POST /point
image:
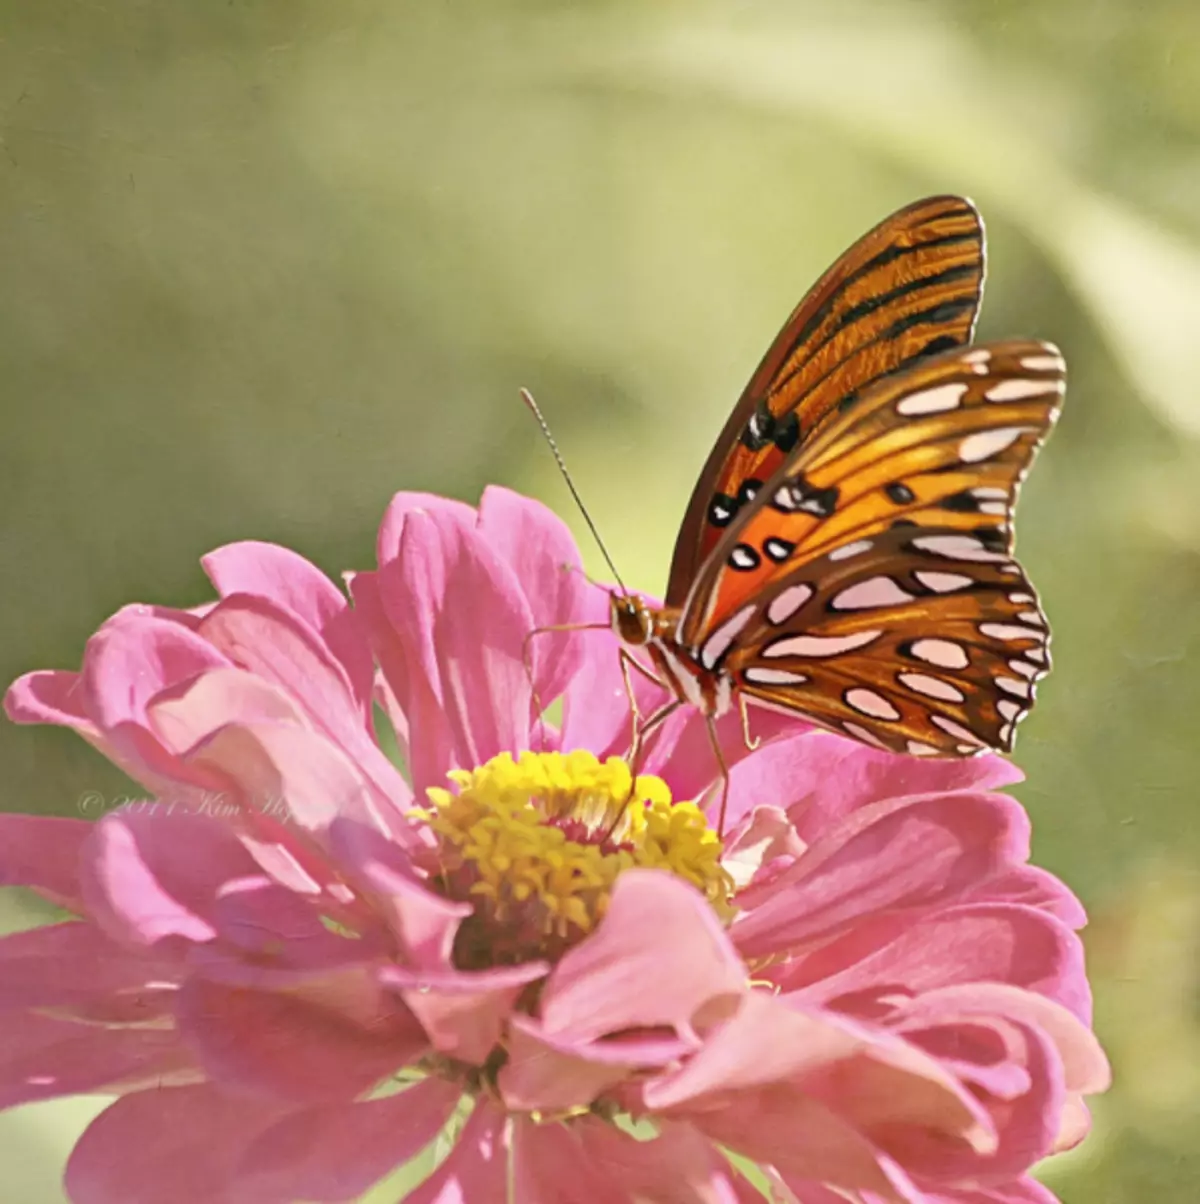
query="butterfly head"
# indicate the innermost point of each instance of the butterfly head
(631, 619)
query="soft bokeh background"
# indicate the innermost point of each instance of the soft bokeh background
(265, 262)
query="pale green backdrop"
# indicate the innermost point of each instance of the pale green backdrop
(264, 263)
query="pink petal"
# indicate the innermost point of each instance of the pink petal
(258, 636)
(868, 1077)
(148, 877)
(1016, 1191)
(679, 1166)
(549, 1074)
(423, 923)
(73, 966)
(551, 1166)
(462, 621)
(833, 776)
(685, 758)
(804, 1140)
(146, 1146)
(298, 775)
(541, 552)
(1026, 1124)
(50, 696)
(463, 1013)
(43, 1058)
(631, 973)
(1032, 886)
(135, 656)
(290, 1049)
(1085, 1068)
(388, 650)
(291, 582)
(911, 853)
(596, 710)
(42, 852)
(476, 1169)
(336, 1152)
(404, 504)
(184, 715)
(887, 954)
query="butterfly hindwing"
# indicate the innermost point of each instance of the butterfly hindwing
(907, 289)
(870, 583)
(919, 651)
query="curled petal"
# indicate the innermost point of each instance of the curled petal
(633, 973)
(463, 1013)
(910, 854)
(299, 587)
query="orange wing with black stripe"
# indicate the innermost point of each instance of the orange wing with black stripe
(908, 289)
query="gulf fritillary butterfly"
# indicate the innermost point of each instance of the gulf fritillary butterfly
(847, 551)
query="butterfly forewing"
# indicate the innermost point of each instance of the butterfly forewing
(908, 289)
(870, 582)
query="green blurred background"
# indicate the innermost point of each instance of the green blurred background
(264, 263)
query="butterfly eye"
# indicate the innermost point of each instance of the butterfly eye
(631, 619)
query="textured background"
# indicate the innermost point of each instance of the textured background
(264, 263)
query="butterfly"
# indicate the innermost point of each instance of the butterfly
(847, 553)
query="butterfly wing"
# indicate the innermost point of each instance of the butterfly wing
(909, 288)
(870, 584)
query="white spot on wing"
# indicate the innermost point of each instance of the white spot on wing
(787, 602)
(1008, 631)
(943, 583)
(760, 675)
(1008, 709)
(720, 641)
(1024, 668)
(984, 444)
(867, 702)
(917, 749)
(1015, 390)
(978, 360)
(931, 687)
(1020, 599)
(1010, 685)
(870, 594)
(956, 547)
(993, 507)
(820, 645)
(864, 734)
(932, 401)
(1050, 362)
(946, 654)
(850, 549)
(956, 730)
(1031, 616)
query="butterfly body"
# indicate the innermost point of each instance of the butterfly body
(847, 553)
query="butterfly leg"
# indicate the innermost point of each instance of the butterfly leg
(629, 661)
(710, 725)
(539, 708)
(751, 742)
(638, 747)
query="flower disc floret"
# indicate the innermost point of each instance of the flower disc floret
(535, 844)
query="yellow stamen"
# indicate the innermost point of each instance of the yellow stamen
(536, 843)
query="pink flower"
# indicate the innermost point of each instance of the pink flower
(297, 968)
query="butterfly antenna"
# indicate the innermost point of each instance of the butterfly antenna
(527, 398)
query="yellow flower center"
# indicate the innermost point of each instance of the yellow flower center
(535, 845)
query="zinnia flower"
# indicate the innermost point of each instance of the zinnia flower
(297, 967)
